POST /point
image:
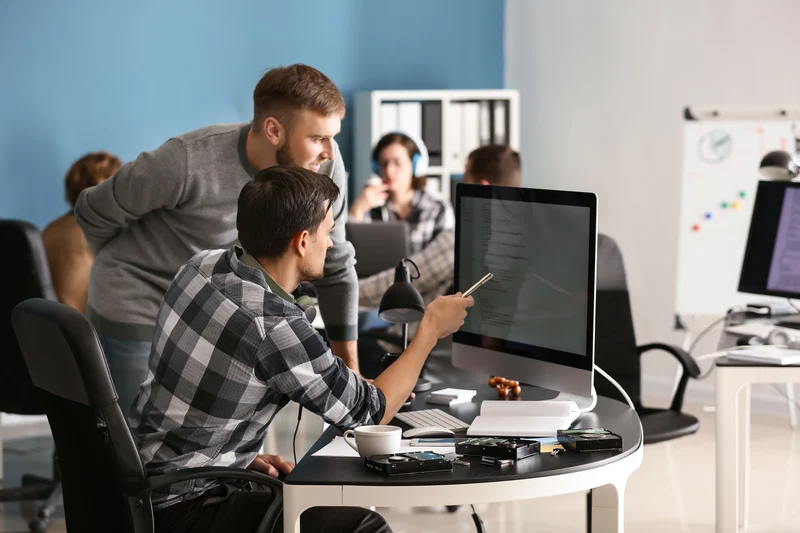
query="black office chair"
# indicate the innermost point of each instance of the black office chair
(25, 274)
(105, 484)
(617, 353)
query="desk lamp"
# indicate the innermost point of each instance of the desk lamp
(401, 304)
(779, 166)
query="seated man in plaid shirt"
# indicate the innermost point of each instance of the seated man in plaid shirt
(232, 348)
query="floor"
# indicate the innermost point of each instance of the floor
(673, 490)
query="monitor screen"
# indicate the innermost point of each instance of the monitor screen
(540, 246)
(771, 263)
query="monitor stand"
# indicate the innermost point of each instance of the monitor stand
(542, 414)
(584, 403)
(540, 394)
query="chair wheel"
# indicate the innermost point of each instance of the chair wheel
(452, 508)
(38, 525)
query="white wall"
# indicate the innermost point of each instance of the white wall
(603, 85)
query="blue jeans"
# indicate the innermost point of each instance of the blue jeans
(127, 362)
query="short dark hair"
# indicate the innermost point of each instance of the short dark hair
(283, 91)
(278, 204)
(88, 171)
(496, 163)
(406, 142)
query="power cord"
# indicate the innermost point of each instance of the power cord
(477, 519)
(708, 329)
(296, 428)
(617, 385)
(407, 260)
(722, 353)
(784, 395)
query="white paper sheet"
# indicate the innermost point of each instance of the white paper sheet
(339, 448)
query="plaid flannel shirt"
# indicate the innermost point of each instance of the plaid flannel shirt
(429, 216)
(228, 354)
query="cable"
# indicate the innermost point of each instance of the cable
(617, 385)
(705, 332)
(477, 519)
(792, 304)
(296, 428)
(728, 314)
(785, 396)
(407, 260)
(722, 353)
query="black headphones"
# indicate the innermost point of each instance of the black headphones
(305, 302)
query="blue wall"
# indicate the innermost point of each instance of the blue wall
(84, 76)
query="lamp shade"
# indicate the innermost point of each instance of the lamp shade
(402, 302)
(779, 166)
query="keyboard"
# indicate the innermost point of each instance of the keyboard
(431, 417)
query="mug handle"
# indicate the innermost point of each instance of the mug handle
(350, 438)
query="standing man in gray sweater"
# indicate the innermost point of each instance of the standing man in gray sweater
(161, 209)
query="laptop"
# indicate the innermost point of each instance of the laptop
(378, 245)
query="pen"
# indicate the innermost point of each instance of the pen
(480, 282)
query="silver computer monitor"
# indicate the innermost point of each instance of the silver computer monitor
(534, 320)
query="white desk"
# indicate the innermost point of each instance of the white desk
(758, 328)
(733, 381)
(18, 427)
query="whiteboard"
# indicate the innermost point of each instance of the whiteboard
(720, 175)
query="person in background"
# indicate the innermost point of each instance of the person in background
(171, 203)
(401, 195)
(68, 254)
(233, 347)
(487, 165)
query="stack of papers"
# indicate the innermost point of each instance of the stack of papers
(451, 396)
(771, 355)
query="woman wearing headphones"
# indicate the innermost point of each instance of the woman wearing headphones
(402, 161)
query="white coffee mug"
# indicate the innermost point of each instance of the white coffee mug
(374, 440)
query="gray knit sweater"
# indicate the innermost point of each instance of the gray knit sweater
(158, 211)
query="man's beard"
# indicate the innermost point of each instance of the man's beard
(285, 157)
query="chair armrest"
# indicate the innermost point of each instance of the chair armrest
(210, 472)
(686, 361)
(690, 369)
(141, 491)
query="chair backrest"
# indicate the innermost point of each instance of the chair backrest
(615, 340)
(96, 451)
(25, 274)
